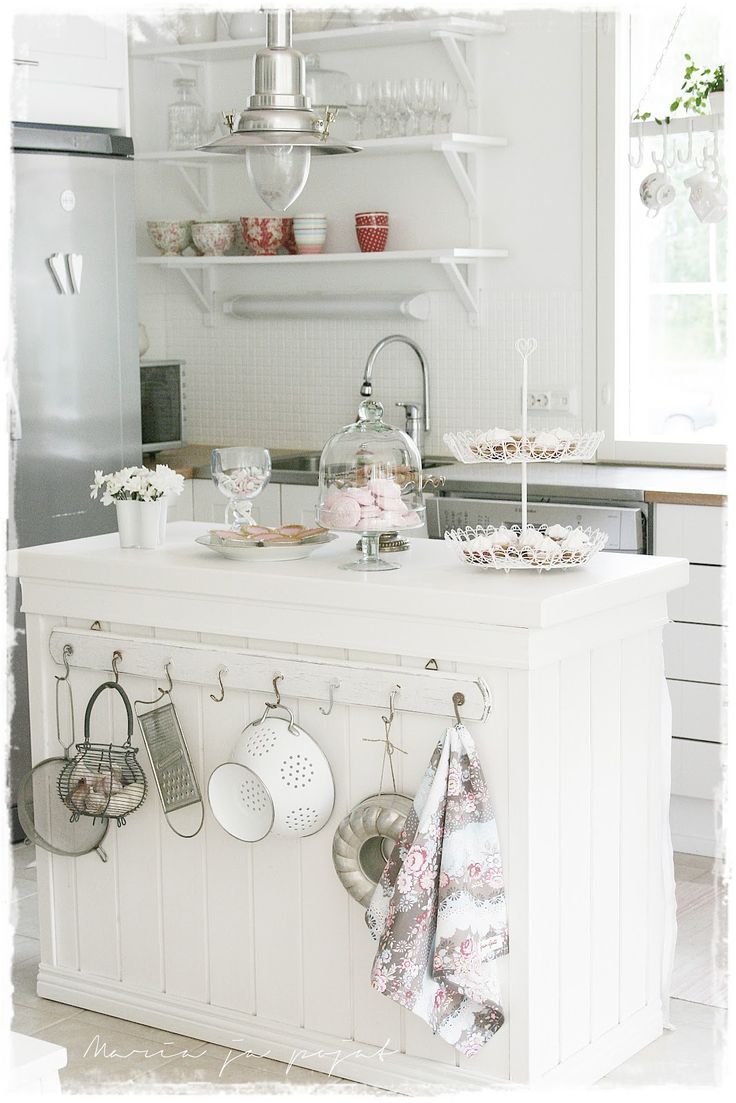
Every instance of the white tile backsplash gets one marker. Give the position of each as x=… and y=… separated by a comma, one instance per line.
x=291, y=383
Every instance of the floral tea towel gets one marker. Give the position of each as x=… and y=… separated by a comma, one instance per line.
x=439, y=910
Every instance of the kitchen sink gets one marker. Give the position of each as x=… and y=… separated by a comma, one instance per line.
x=309, y=462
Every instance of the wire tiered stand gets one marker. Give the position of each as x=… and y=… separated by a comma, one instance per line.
x=524, y=547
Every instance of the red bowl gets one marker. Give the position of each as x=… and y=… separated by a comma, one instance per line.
x=265, y=236
x=371, y=239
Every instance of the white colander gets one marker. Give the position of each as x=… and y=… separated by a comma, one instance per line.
x=277, y=780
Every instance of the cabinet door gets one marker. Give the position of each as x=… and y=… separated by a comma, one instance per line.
x=70, y=70
x=702, y=601
x=697, y=769
x=210, y=504
x=695, y=652
x=697, y=533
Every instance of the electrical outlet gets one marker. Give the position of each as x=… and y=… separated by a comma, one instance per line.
x=554, y=400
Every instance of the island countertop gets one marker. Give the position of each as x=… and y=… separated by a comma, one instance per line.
x=431, y=580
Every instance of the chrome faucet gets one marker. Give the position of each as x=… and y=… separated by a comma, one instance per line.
x=413, y=412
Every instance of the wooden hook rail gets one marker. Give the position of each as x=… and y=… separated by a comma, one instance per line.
x=420, y=691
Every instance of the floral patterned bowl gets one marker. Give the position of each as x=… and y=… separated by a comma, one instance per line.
x=213, y=239
x=265, y=236
x=170, y=238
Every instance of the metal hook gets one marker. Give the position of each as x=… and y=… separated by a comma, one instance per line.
x=458, y=699
x=67, y=650
x=275, y=683
x=330, y=704
x=95, y=626
x=636, y=163
x=170, y=686
x=689, y=155
x=391, y=710
x=218, y=700
x=431, y=664
x=117, y=657
x=668, y=162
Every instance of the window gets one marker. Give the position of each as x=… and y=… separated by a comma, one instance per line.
x=661, y=286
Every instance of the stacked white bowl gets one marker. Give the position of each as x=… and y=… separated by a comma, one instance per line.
x=310, y=232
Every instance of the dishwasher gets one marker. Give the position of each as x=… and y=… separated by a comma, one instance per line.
x=625, y=526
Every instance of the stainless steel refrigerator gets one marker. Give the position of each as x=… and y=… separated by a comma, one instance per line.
x=76, y=391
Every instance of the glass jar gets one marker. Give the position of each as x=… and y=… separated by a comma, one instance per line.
x=370, y=481
x=185, y=116
x=325, y=87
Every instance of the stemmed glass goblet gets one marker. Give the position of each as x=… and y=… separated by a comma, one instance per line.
x=240, y=473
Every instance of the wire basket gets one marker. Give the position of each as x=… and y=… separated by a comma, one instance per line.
x=494, y=446
x=103, y=781
x=503, y=549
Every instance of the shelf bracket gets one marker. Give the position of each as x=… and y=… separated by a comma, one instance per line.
x=201, y=196
x=461, y=287
x=202, y=292
x=462, y=178
x=451, y=41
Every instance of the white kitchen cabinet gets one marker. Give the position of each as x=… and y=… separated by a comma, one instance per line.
x=697, y=769
x=702, y=601
x=694, y=655
x=209, y=504
x=697, y=532
x=575, y=753
x=698, y=711
x=71, y=70
x=695, y=652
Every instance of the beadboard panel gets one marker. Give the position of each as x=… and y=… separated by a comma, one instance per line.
x=605, y=845
x=264, y=933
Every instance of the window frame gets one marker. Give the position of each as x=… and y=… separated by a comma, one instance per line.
x=607, y=294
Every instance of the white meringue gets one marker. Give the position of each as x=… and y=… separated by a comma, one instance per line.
x=575, y=542
x=557, y=532
x=546, y=442
x=531, y=540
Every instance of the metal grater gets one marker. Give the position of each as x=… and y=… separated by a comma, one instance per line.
x=172, y=767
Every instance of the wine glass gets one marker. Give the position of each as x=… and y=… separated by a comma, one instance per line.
x=358, y=105
x=446, y=100
x=240, y=474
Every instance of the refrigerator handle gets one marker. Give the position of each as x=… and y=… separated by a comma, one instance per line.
x=56, y=267
x=75, y=262
x=15, y=425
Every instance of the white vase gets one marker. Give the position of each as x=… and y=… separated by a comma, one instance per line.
x=139, y=523
x=716, y=102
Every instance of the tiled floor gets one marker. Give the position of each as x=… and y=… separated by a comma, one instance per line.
x=161, y=1062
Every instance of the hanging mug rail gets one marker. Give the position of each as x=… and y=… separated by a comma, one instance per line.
x=342, y=683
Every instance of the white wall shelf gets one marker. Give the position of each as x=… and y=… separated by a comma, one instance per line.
x=695, y=124
x=455, y=149
x=451, y=262
x=395, y=33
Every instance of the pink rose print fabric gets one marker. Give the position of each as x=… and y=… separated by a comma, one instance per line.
x=439, y=910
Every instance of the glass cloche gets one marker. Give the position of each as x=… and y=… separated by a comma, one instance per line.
x=370, y=481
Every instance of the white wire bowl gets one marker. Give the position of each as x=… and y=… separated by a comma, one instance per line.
x=474, y=446
x=508, y=559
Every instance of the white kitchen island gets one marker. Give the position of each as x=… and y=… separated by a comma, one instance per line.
x=257, y=946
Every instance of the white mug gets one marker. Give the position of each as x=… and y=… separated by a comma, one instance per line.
x=708, y=197
x=656, y=191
